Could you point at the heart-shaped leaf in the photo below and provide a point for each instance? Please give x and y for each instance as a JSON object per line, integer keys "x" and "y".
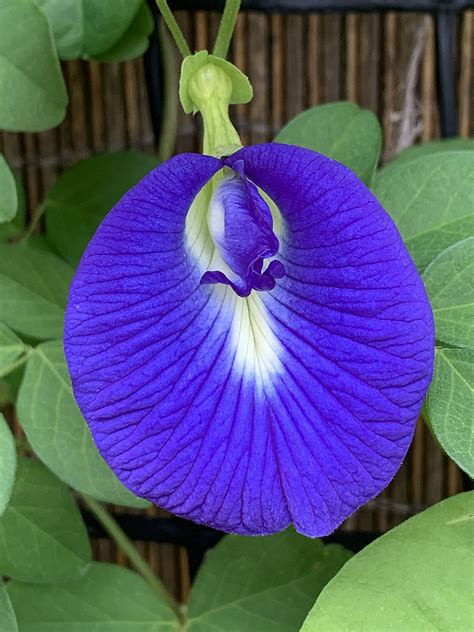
{"x": 7, "y": 464}
{"x": 34, "y": 96}
{"x": 449, "y": 281}
{"x": 134, "y": 41}
{"x": 83, "y": 195}
{"x": 342, "y": 131}
{"x": 417, "y": 577}
{"x": 8, "y": 194}
{"x": 431, "y": 199}
{"x": 265, "y": 584}
{"x": 84, "y": 28}
{"x": 33, "y": 291}
{"x": 57, "y": 431}
{"x": 42, "y": 536}
{"x": 108, "y": 597}
{"x": 450, "y": 404}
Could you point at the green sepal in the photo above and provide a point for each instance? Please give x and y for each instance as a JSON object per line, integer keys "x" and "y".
{"x": 242, "y": 91}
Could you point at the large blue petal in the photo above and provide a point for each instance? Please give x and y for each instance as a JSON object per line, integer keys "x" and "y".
{"x": 296, "y": 404}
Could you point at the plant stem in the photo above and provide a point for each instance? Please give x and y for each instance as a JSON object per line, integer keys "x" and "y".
{"x": 173, "y": 27}
{"x": 127, "y": 546}
{"x": 35, "y": 220}
{"x": 226, "y": 28}
{"x": 167, "y": 140}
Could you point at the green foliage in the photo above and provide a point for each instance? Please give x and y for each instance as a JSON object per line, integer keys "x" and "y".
{"x": 449, "y": 281}
{"x": 7, "y": 616}
{"x": 8, "y": 195}
{"x": 10, "y": 385}
{"x": 265, "y": 584}
{"x": 13, "y": 227}
{"x": 108, "y": 597}
{"x": 417, "y": 577}
{"x": 7, "y": 465}
{"x": 11, "y": 350}
{"x": 42, "y": 536}
{"x": 431, "y": 199}
{"x": 343, "y": 131}
{"x": 434, "y": 147}
{"x": 57, "y": 431}
{"x": 450, "y": 405}
{"x": 241, "y": 88}
{"x": 33, "y": 291}
{"x": 134, "y": 41}
{"x": 85, "y": 28}
{"x": 34, "y": 96}
{"x": 83, "y": 195}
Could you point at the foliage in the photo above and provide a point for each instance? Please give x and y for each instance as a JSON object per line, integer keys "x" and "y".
{"x": 450, "y": 404}
{"x": 417, "y": 577}
{"x": 8, "y": 194}
{"x": 57, "y": 432}
{"x": 431, "y": 200}
{"x": 80, "y": 198}
{"x": 266, "y": 584}
{"x": 8, "y": 463}
{"x": 42, "y": 511}
{"x": 107, "y": 596}
{"x": 342, "y": 131}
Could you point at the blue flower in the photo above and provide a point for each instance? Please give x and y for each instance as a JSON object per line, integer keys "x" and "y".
{"x": 250, "y": 342}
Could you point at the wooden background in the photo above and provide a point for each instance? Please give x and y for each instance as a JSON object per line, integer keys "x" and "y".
{"x": 384, "y": 62}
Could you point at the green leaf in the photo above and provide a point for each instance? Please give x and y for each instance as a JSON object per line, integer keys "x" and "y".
{"x": 107, "y": 598}
{"x": 265, "y": 584}
{"x": 10, "y": 385}
{"x": 434, "y": 147}
{"x": 42, "y": 536}
{"x": 449, "y": 281}
{"x": 83, "y": 195}
{"x": 7, "y": 465}
{"x": 342, "y": 131}
{"x": 14, "y": 227}
{"x": 416, "y": 578}
{"x": 57, "y": 431}
{"x": 33, "y": 291}
{"x": 450, "y": 404}
{"x": 11, "y": 350}
{"x": 431, "y": 199}
{"x": 7, "y": 616}
{"x": 34, "y": 96}
{"x": 134, "y": 41}
{"x": 84, "y": 28}
{"x": 8, "y": 195}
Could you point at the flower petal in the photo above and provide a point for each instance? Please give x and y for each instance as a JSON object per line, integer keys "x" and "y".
{"x": 296, "y": 404}
{"x": 240, "y": 224}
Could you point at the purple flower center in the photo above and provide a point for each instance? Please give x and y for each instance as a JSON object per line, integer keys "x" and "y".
{"x": 241, "y": 226}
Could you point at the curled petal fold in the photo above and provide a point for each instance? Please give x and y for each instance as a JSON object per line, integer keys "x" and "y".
{"x": 241, "y": 226}
{"x": 295, "y": 404}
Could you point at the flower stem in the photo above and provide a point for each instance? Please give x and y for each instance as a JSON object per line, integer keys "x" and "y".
{"x": 126, "y": 545}
{"x": 35, "y": 220}
{"x": 226, "y": 28}
{"x": 173, "y": 27}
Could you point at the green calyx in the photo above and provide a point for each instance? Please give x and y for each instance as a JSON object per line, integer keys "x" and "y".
{"x": 208, "y": 85}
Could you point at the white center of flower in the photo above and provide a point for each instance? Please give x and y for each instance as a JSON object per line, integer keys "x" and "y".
{"x": 252, "y": 341}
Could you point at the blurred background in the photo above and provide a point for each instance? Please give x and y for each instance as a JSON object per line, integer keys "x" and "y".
{"x": 384, "y": 61}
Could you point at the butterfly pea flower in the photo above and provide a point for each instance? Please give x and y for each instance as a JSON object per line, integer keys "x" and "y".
{"x": 249, "y": 340}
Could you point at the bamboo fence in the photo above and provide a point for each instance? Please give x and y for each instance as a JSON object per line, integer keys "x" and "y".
{"x": 385, "y": 62}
